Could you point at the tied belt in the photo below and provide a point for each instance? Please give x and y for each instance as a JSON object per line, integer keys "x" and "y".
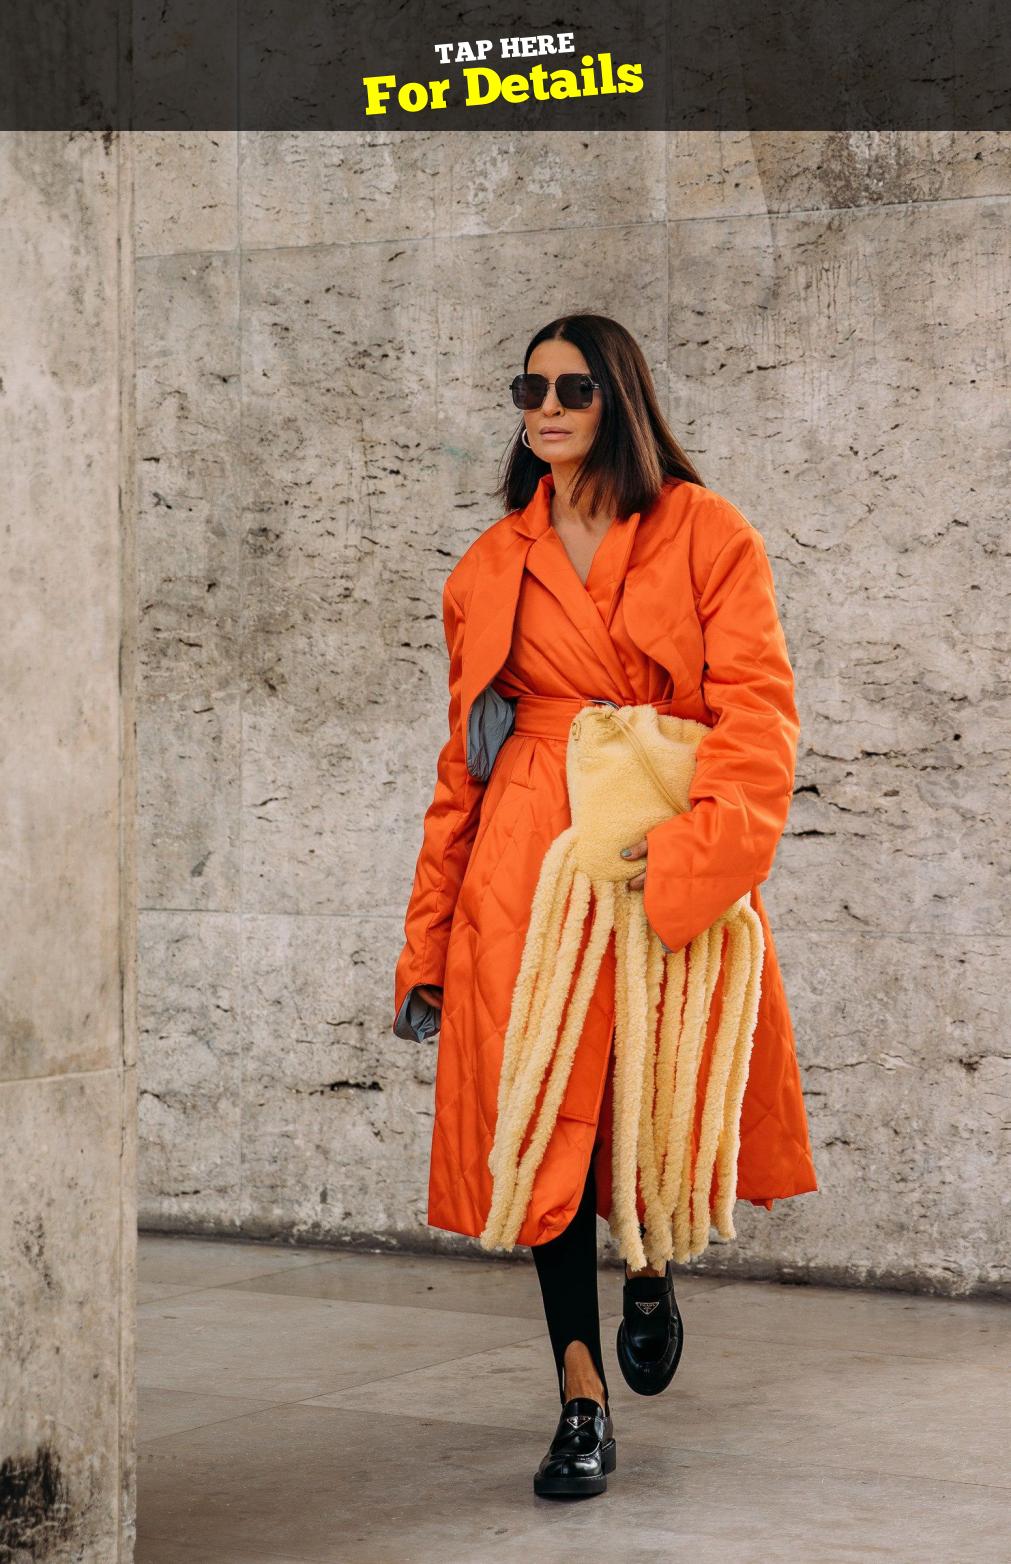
{"x": 551, "y": 716}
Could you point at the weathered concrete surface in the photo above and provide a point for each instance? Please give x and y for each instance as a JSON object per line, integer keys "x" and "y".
{"x": 67, "y": 1003}
{"x": 324, "y": 346}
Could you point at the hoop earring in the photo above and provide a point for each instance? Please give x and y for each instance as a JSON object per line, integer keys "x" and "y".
{"x": 523, "y": 437}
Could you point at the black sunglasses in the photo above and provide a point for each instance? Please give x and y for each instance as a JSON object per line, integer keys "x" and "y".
{"x": 572, "y": 391}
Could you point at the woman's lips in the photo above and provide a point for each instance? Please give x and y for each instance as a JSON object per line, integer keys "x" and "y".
{"x": 555, "y": 434}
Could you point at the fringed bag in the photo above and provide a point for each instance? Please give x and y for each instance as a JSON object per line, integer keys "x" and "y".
{"x": 628, "y": 769}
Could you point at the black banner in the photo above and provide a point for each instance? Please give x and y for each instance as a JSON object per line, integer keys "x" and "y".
{"x": 408, "y": 65}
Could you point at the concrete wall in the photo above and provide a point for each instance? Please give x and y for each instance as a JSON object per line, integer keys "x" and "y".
{"x": 67, "y": 1027}
{"x": 326, "y": 325}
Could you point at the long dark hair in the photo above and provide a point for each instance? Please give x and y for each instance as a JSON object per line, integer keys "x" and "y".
{"x": 633, "y": 452}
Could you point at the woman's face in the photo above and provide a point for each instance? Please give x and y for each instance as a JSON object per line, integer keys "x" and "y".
{"x": 560, "y": 435}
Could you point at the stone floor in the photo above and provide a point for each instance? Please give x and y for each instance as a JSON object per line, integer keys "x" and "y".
{"x": 346, "y": 1408}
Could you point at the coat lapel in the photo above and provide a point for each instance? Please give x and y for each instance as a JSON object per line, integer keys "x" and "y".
{"x": 658, "y": 603}
{"x": 662, "y": 626}
{"x": 548, "y": 561}
{"x": 488, "y": 631}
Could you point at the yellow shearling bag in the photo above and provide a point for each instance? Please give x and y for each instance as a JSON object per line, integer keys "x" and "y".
{"x": 627, "y": 769}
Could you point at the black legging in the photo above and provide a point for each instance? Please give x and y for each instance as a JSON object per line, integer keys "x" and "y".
{"x": 567, "y": 1271}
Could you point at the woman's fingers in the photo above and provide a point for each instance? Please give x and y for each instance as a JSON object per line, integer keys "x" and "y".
{"x": 639, "y": 850}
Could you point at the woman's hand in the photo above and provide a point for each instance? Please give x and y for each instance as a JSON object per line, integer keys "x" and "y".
{"x": 430, "y": 994}
{"x": 638, "y": 851}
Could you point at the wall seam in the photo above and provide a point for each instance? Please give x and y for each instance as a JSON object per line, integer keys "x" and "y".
{"x": 126, "y": 1072}
{"x": 498, "y": 235}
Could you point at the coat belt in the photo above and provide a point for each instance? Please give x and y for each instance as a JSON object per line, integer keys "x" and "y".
{"x": 551, "y": 716}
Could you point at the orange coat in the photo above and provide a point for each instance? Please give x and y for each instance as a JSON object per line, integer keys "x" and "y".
{"x": 679, "y": 601}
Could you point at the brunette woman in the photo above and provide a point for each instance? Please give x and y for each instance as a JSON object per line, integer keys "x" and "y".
{"x": 615, "y": 575}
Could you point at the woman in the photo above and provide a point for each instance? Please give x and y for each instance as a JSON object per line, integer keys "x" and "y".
{"x": 615, "y": 575}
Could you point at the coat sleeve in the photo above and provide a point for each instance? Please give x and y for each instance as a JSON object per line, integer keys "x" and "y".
{"x": 448, "y": 832}
{"x": 699, "y": 863}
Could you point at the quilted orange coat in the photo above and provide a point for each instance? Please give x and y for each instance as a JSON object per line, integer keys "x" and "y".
{"x": 692, "y": 615}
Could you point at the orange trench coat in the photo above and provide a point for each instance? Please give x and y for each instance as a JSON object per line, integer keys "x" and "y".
{"x": 679, "y": 602}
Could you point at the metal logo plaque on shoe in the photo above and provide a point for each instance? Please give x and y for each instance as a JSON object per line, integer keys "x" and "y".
{"x": 678, "y": 610}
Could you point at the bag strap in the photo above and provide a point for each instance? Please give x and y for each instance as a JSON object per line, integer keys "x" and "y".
{"x": 646, "y": 759}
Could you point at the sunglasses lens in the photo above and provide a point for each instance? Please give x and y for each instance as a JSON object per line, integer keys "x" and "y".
{"x": 529, "y": 391}
{"x": 574, "y": 390}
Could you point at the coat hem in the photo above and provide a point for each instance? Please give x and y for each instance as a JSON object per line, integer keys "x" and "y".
{"x": 782, "y": 1194}
{"x": 767, "y": 1201}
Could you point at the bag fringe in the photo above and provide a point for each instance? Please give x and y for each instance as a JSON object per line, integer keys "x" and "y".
{"x": 663, "y": 1002}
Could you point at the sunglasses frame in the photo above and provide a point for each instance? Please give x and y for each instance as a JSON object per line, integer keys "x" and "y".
{"x": 573, "y": 407}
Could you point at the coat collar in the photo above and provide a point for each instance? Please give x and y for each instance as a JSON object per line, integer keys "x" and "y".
{"x": 535, "y": 516}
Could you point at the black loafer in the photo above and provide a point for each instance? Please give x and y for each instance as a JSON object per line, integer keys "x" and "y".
{"x": 581, "y": 1454}
{"x": 651, "y": 1334}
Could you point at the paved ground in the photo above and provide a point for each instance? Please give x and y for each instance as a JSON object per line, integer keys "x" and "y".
{"x": 311, "y": 1404}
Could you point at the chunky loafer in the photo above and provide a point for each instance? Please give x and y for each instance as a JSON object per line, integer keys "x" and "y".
{"x": 651, "y": 1334}
{"x": 580, "y": 1455}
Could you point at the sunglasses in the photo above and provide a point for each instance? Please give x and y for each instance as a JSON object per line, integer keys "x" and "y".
{"x": 572, "y": 391}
